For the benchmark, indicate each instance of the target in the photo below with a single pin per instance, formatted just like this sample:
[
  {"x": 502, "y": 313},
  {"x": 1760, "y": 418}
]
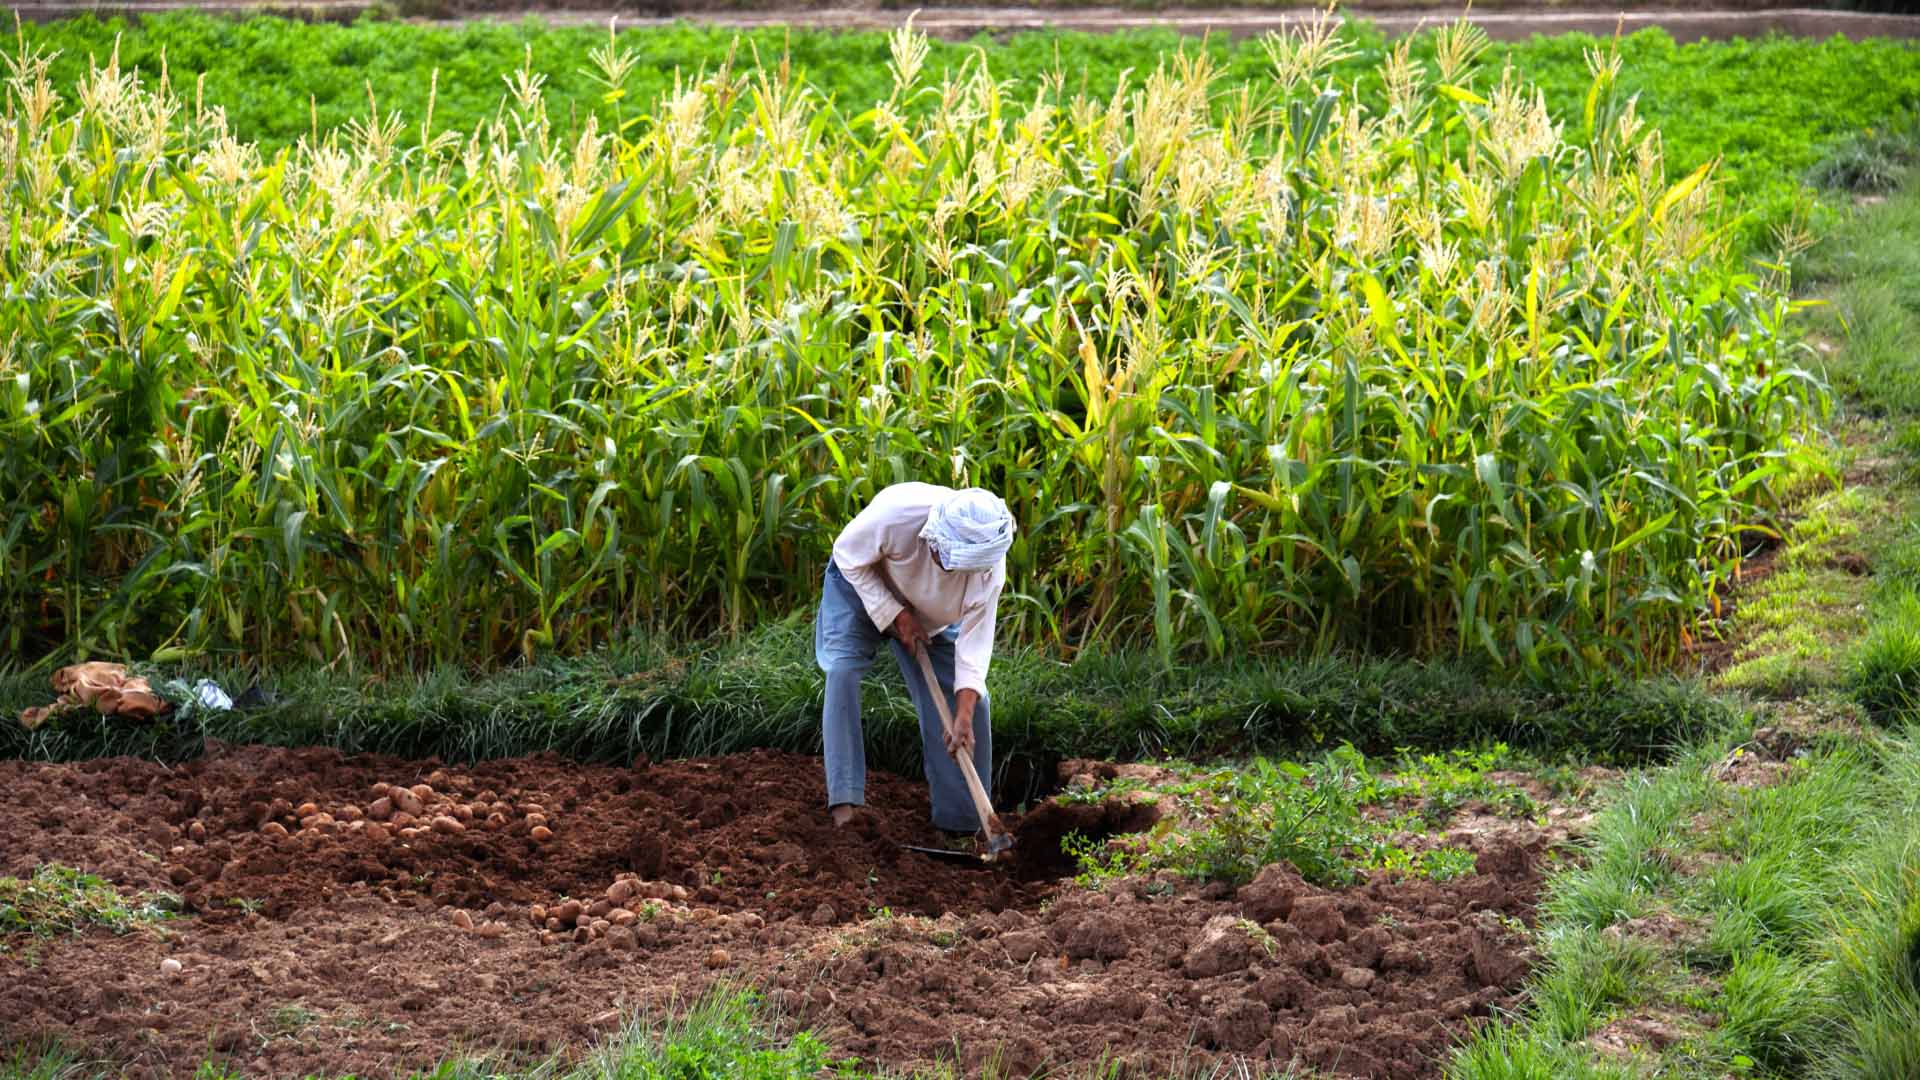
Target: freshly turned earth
[{"x": 346, "y": 944}]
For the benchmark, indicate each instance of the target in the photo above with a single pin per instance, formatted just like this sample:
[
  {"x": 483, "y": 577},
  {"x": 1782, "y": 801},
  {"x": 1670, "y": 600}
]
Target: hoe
[{"x": 999, "y": 844}]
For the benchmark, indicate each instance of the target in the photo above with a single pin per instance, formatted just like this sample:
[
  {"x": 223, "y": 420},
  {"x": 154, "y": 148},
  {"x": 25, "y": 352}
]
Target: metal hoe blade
[{"x": 950, "y": 854}]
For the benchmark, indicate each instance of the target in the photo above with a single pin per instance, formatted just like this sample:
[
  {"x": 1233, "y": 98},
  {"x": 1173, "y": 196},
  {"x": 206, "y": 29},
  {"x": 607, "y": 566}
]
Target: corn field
[{"x": 1258, "y": 366}]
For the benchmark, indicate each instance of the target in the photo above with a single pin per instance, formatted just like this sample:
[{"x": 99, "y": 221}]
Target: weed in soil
[{"x": 63, "y": 900}]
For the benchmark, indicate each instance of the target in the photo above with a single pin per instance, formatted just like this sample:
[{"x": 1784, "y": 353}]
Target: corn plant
[{"x": 1257, "y": 366}]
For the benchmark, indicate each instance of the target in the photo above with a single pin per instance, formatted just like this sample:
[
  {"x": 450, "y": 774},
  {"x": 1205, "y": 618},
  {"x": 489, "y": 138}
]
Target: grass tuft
[
  {"x": 1871, "y": 162},
  {"x": 1886, "y": 667},
  {"x": 1771, "y": 1014}
]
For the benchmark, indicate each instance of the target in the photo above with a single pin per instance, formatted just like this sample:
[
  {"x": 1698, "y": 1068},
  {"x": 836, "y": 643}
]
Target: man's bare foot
[{"x": 843, "y": 814}]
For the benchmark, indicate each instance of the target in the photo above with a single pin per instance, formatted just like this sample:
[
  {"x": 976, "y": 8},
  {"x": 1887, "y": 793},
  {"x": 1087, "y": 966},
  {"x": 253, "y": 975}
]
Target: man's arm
[
  {"x": 858, "y": 552},
  {"x": 972, "y": 653}
]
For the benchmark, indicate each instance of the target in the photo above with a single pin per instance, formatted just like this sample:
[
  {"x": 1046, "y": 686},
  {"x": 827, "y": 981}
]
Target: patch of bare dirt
[
  {"x": 316, "y": 944},
  {"x": 1664, "y": 929},
  {"x": 1639, "y": 1035}
]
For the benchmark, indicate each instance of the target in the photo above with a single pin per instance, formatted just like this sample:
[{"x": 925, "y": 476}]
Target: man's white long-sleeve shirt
[{"x": 881, "y": 555}]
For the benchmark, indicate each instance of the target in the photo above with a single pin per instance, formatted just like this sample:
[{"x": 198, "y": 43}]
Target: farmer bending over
[{"x": 922, "y": 565}]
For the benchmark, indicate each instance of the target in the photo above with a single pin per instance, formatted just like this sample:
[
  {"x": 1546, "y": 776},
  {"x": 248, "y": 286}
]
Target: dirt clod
[
  {"x": 1498, "y": 957},
  {"x": 1318, "y": 917},
  {"x": 1270, "y": 894},
  {"x": 1241, "y": 1025},
  {"x": 1223, "y": 946},
  {"x": 1092, "y": 935}
]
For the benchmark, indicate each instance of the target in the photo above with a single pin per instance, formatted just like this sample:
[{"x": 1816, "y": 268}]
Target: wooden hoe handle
[{"x": 981, "y": 804}]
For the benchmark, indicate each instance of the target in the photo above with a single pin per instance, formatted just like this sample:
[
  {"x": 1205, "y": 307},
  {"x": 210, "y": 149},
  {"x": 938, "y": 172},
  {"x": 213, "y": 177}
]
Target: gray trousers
[{"x": 845, "y": 643}]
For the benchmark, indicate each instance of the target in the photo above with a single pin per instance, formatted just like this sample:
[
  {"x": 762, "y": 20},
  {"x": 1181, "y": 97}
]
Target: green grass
[
  {"x": 1498, "y": 1052},
  {"x": 1873, "y": 161},
  {"x": 1886, "y": 668},
  {"x": 1868, "y": 273},
  {"x": 62, "y": 900},
  {"x": 764, "y": 691},
  {"x": 1762, "y": 886},
  {"x": 1795, "y": 627}
]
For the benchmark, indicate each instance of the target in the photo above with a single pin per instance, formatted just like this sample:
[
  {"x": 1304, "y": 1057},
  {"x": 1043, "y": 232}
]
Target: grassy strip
[
  {"x": 1753, "y": 908},
  {"x": 766, "y": 692},
  {"x": 1797, "y": 623},
  {"x": 1869, "y": 275},
  {"x": 1768, "y": 105},
  {"x": 1801, "y": 624}
]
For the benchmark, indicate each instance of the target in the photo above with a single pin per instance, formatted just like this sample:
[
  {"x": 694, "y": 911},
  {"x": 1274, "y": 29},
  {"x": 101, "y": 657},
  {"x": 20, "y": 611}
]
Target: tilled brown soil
[{"x": 340, "y": 937}]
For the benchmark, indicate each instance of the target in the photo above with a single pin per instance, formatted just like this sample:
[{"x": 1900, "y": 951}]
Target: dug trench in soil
[{"x": 329, "y": 932}]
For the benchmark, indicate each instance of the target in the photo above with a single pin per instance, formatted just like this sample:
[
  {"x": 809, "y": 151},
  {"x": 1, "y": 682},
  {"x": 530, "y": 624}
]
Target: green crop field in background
[
  {"x": 1770, "y": 107},
  {"x": 1255, "y": 367}
]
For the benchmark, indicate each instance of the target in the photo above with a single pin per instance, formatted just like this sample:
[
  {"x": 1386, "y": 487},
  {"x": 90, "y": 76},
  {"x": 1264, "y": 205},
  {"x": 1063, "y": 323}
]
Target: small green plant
[
  {"x": 1445, "y": 864},
  {"x": 1100, "y": 862},
  {"x": 292, "y": 1019},
  {"x": 1121, "y": 787},
  {"x": 62, "y": 900},
  {"x": 1259, "y": 936},
  {"x": 1772, "y": 1009}
]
